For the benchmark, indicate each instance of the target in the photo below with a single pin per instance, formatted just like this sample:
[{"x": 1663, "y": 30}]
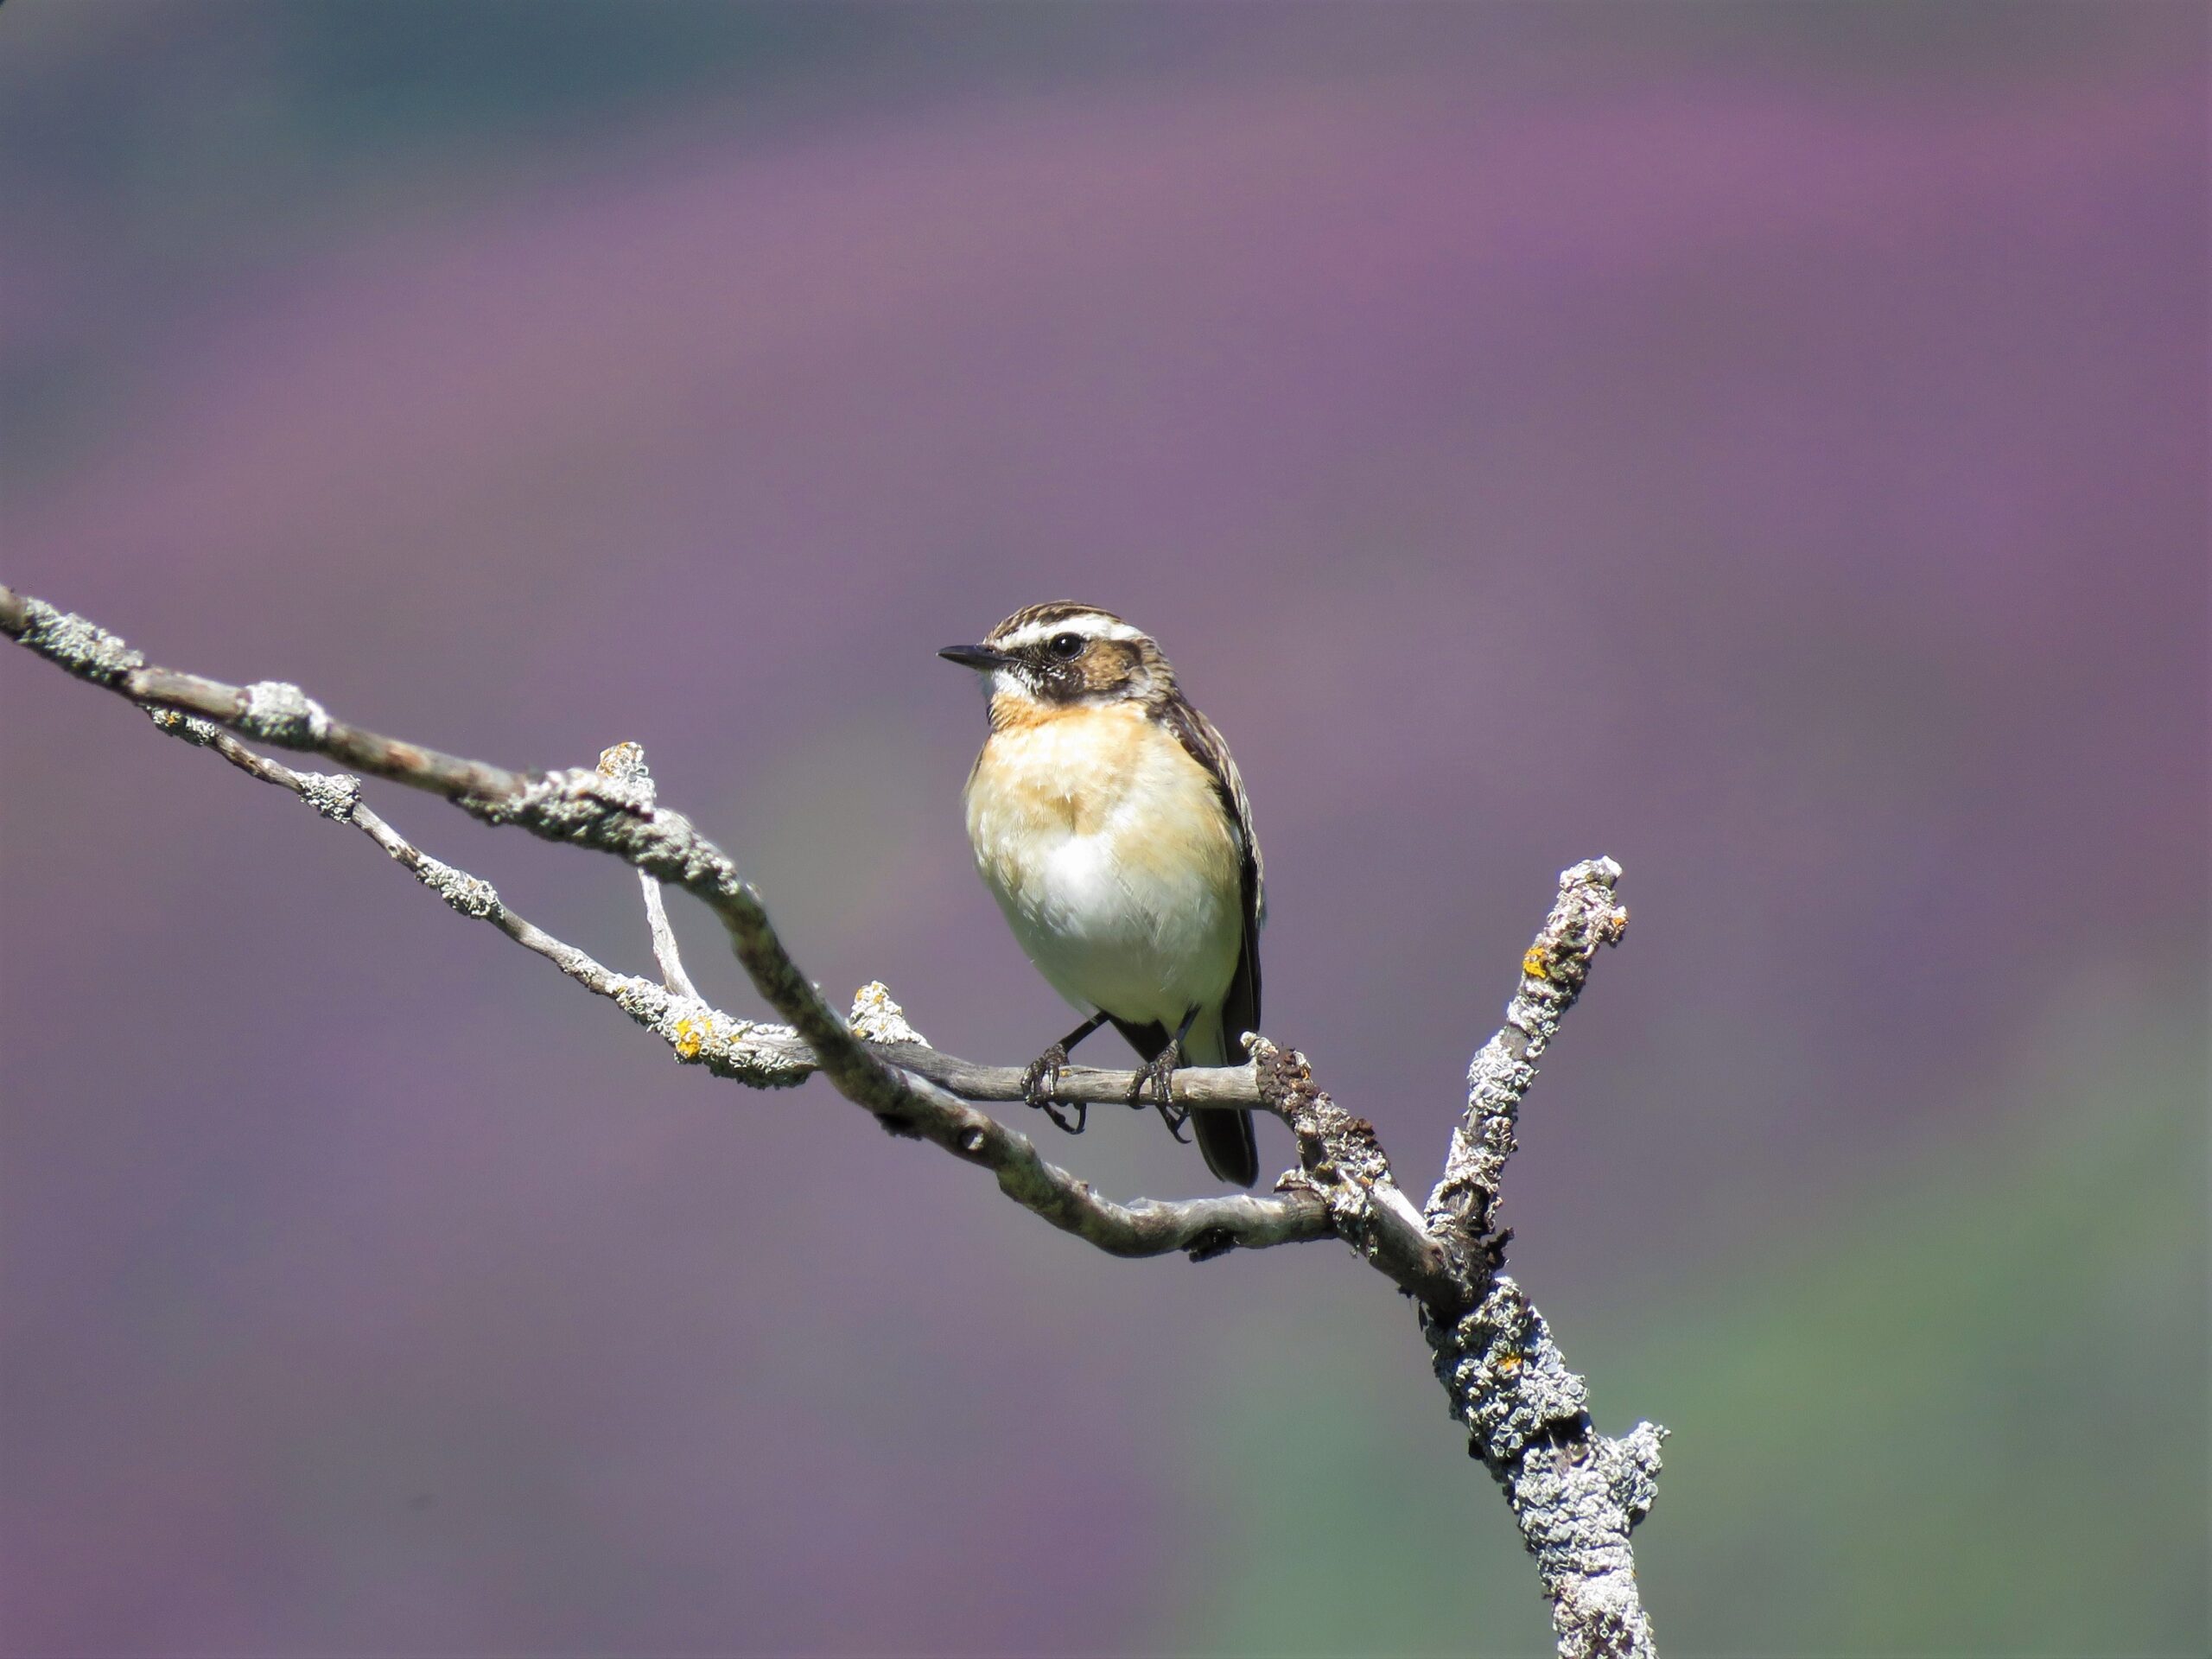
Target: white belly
[
  {"x": 1125, "y": 888},
  {"x": 1107, "y": 934}
]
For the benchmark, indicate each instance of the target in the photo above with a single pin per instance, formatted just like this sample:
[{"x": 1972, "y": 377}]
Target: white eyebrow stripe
[{"x": 1092, "y": 626}]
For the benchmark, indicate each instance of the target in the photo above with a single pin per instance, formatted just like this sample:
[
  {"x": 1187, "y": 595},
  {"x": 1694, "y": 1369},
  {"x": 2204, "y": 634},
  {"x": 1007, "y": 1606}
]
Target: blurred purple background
[{"x": 1765, "y": 444}]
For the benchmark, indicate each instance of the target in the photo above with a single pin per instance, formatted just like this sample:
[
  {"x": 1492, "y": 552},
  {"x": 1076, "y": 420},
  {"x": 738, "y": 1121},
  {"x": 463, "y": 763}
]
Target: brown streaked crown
[{"x": 1051, "y": 613}]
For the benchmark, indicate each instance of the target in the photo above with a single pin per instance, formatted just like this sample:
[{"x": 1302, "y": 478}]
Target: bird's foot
[
  {"x": 1158, "y": 1076},
  {"x": 1039, "y": 1082}
]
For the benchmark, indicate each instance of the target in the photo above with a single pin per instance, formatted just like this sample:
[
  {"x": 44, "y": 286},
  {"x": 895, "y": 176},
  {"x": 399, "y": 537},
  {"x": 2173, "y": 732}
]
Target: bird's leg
[
  {"x": 1043, "y": 1077},
  {"x": 1159, "y": 1073}
]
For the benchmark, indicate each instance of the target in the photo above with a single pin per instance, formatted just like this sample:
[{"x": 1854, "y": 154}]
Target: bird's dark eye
[{"x": 1066, "y": 645}]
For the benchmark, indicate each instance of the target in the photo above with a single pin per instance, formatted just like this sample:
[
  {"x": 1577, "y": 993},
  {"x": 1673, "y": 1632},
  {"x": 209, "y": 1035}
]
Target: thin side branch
[
  {"x": 337, "y": 797},
  {"x": 627, "y": 762}
]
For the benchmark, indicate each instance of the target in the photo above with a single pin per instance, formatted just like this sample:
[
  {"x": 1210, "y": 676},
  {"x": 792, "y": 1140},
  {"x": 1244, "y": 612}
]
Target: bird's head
[{"x": 1052, "y": 657}]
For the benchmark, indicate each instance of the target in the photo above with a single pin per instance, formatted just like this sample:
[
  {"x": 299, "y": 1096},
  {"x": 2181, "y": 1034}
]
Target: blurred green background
[{"x": 1766, "y": 444}]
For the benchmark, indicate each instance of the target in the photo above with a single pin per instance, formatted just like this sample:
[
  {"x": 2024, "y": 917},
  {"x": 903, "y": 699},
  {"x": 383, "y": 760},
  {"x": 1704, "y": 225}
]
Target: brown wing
[{"x": 1240, "y": 1009}]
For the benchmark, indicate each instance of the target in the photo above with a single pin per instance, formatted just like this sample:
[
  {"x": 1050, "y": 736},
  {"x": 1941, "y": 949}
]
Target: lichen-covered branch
[
  {"x": 1576, "y": 1494},
  {"x": 1463, "y": 1207},
  {"x": 1340, "y": 1159}
]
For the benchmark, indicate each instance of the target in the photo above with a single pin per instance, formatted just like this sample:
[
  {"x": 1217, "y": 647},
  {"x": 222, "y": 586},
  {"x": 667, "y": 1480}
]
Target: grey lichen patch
[
  {"x": 81, "y": 646},
  {"x": 1577, "y": 1503},
  {"x": 1557, "y": 964},
  {"x": 624, "y": 762},
  {"x": 278, "y": 712},
  {"x": 621, "y": 779},
  {"x": 1507, "y": 1380},
  {"x": 571, "y": 806},
  {"x": 1584, "y": 1558},
  {"x": 1341, "y": 1158},
  {"x": 471, "y": 895},
  {"x": 190, "y": 728},
  {"x": 645, "y": 1001},
  {"x": 1583, "y": 918},
  {"x": 335, "y": 794},
  {"x": 1636, "y": 1473},
  {"x": 876, "y": 1019},
  {"x": 618, "y": 816},
  {"x": 746, "y": 1050}
]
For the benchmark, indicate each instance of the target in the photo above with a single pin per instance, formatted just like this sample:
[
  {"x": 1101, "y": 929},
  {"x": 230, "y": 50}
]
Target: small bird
[{"x": 1108, "y": 822}]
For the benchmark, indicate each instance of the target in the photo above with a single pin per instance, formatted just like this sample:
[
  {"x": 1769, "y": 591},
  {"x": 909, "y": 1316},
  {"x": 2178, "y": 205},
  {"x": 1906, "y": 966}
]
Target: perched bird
[{"x": 1108, "y": 822}]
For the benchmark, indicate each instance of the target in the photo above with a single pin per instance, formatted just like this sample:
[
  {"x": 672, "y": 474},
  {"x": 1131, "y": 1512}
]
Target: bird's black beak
[{"x": 976, "y": 657}]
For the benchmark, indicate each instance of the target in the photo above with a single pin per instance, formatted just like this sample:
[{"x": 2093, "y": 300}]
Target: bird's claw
[
  {"x": 1039, "y": 1082},
  {"x": 1159, "y": 1075}
]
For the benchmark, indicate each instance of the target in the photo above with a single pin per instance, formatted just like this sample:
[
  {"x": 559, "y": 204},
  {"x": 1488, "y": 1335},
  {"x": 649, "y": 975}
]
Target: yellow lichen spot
[
  {"x": 1506, "y": 1364},
  {"x": 690, "y": 1039},
  {"x": 1537, "y": 964}
]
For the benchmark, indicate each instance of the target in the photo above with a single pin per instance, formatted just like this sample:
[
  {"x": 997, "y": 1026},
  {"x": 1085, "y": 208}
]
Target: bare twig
[
  {"x": 625, "y": 762},
  {"x": 338, "y": 797},
  {"x": 1576, "y": 1494}
]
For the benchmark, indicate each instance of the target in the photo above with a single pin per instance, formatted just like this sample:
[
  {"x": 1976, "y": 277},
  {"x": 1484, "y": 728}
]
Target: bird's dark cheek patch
[{"x": 1108, "y": 664}]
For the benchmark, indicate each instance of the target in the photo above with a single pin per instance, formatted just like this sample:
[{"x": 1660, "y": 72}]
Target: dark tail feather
[{"x": 1226, "y": 1140}]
